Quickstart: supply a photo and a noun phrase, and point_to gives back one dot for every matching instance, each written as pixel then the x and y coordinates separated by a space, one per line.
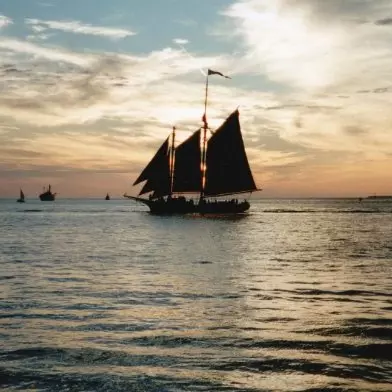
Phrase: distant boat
pixel 209 169
pixel 107 197
pixel 382 197
pixel 47 195
pixel 21 197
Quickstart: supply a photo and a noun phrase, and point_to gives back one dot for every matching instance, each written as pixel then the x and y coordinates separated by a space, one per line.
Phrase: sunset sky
pixel 89 90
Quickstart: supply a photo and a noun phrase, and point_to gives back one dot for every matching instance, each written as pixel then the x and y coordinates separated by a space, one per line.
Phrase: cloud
pixel 5 21
pixel 51 54
pixel 330 64
pixel 180 41
pixel 263 157
pixel 333 66
pixel 384 22
pixel 152 92
pixel 77 27
pixel 142 96
pixel 312 45
pixel 92 87
pixel 38 37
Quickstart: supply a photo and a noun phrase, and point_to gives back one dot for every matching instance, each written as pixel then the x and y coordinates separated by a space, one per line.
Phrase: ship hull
pixel 20 201
pixel 47 197
pixel 181 206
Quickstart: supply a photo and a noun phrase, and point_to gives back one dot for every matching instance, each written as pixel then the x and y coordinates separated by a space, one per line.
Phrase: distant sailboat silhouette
pixel 21 197
pixel 47 195
pixel 107 197
pixel 210 168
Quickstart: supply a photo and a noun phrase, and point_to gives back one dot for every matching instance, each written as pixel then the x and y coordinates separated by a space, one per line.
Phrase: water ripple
pixel 294 296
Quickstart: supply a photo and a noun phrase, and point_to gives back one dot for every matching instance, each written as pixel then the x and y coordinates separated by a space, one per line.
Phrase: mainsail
pixel 187 172
pixel 228 168
pixel 157 173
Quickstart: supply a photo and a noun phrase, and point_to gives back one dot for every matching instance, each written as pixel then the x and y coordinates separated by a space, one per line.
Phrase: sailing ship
pixel 21 197
pixel 211 169
pixel 47 195
pixel 107 197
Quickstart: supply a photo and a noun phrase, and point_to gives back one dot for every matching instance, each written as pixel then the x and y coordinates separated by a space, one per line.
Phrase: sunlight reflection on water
pixel 103 296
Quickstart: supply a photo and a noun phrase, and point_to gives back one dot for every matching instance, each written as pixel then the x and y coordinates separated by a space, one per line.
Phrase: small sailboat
pixel 107 197
pixel 208 168
pixel 21 197
pixel 47 195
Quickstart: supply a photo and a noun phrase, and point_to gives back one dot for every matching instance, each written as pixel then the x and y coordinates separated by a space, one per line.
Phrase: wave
pixel 78 358
pixel 94 380
pixel 357 331
pixel 317 292
pixel 325 211
pixel 371 373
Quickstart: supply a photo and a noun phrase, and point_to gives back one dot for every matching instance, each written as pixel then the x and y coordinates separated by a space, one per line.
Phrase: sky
pixel 89 89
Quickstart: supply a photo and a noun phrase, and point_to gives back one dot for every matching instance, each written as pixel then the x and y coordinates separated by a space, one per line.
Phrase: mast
pixel 203 167
pixel 172 157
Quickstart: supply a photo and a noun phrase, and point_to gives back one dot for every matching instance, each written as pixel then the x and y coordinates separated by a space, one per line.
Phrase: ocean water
pixel 102 296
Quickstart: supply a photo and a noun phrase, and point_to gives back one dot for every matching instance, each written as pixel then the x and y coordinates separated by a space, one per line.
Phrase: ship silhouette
pixel 209 169
pixel 21 197
pixel 47 195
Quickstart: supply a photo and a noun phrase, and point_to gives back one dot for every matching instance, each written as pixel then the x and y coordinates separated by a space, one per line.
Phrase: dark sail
pixel 187 172
pixel 228 169
pixel 160 184
pixel 21 198
pixel 155 164
pixel 157 173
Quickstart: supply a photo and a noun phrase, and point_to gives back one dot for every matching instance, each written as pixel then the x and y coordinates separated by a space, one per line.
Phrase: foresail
pixel 158 173
pixel 187 173
pixel 160 185
pixel 155 164
pixel 228 168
